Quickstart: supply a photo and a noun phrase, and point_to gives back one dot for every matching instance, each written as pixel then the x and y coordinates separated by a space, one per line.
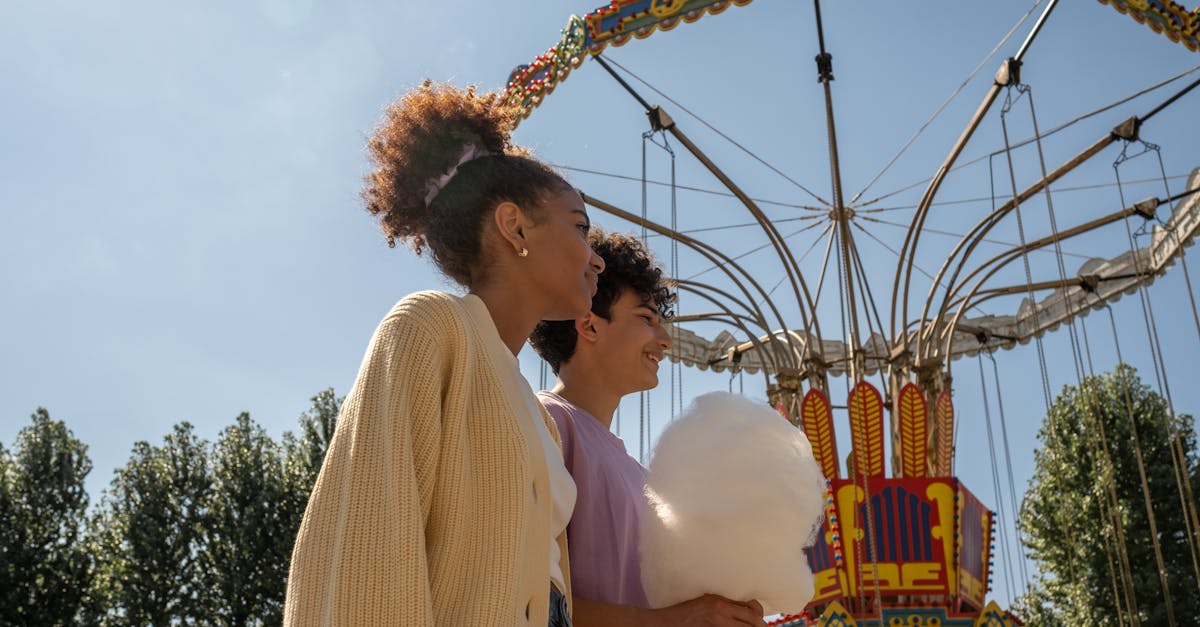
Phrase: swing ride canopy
pixel 930 535
pixel 952 332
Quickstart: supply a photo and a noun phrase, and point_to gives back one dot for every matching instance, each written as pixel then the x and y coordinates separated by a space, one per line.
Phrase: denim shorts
pixel 559 616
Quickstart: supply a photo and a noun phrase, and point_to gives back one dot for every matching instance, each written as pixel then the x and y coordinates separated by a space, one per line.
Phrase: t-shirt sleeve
pixel 566 430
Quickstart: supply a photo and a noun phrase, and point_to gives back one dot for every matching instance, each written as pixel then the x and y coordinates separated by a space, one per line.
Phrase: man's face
pixel 631 343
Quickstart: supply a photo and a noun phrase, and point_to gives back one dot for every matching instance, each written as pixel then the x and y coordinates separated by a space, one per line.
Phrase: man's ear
pixel 510 222
pixel 585 327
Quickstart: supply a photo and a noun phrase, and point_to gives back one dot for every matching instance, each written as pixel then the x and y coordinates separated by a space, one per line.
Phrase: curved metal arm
pixel 696 288
pixel 715 256
pixel 977 234
pixel 736 322
pixel 660 120
pixel 1003 259
pixel 1008 74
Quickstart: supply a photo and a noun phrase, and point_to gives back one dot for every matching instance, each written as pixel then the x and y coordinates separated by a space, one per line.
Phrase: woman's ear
pixel 511 222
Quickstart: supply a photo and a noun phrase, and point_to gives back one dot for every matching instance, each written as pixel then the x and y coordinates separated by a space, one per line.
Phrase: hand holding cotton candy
pixel 734 495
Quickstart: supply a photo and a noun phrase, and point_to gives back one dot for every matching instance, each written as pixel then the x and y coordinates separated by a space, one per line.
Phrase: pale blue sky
pixel 181 237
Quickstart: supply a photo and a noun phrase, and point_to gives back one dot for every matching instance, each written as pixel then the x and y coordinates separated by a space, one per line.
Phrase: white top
pixel 562 487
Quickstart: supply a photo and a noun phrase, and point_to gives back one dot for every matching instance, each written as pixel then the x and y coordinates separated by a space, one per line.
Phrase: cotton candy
pixel 734 495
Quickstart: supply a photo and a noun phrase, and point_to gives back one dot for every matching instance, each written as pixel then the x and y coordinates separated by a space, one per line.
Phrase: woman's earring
pixel 524 252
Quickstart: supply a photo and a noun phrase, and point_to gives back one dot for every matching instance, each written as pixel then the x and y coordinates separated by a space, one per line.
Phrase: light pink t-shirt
pixel 602 538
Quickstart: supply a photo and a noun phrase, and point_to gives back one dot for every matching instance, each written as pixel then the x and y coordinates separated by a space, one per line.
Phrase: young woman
pixel 611 351
pixel 443 499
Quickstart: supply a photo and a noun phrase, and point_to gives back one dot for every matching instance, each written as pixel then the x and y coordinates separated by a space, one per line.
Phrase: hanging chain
pixel 1178 457
pixel 1041 352
pixel 1099 449
pixel 1000 509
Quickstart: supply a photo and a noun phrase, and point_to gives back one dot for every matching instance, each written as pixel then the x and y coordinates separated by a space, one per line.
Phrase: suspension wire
pixel 1105 512
pixel 960 236
pixel 1021 563
pixel 895 252
pixel 825 264
pixel 643 401
pixel 872 539
pixel 1052 131
pixel 1021 232
pixel 964 201
pixel 1178 457
pixel 1090 401
pixel 690 188
pixel 1124 382
pixel 1160 375
pixel 869 297
pixel 811 247
pixel 714 129
pixel 645 138
pixel 1000 509
pixel 859 209
pixel 802 257
pixel 869 300
pixel 861 553
pixel 1186 485
pixel 743 225
pixel 948 100
pixel 1111 510
pixel 1041 351
pixel 940 203
pixel 676 366
pixel 1169 101
pixel 1188 282
pixel 1192 298
pixel 846 299
pixel 643 395
pixel 1012 489
pixel 649 431
pixel 1076 354
pixel 754 250
pixel 1138 268
pixel 871 235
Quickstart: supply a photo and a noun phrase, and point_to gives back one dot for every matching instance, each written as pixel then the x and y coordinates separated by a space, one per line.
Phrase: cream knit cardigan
pixel 433 505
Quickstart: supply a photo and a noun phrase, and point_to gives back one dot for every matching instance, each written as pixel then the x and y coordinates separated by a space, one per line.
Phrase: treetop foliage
pixel 188 531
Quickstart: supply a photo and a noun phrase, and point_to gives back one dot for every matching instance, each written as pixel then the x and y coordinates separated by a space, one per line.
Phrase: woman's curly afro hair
pixel 422 136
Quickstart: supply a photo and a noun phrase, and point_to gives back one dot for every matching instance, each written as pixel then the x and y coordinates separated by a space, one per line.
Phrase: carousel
pixel 903 541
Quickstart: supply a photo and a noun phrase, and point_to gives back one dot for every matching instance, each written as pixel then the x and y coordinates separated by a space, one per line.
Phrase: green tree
pixel 1090 444
pixel 306 454
pixel 44 561
pixel 249 539
pixel 148 536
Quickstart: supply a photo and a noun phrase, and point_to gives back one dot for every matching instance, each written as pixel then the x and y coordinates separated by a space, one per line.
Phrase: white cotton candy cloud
pixel 734 496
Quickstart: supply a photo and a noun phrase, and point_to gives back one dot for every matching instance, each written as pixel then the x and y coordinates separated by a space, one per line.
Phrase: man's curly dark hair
pixel 627 264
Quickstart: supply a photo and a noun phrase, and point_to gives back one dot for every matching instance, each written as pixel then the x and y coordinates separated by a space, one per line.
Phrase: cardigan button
pixel 527 609
pixel 535 492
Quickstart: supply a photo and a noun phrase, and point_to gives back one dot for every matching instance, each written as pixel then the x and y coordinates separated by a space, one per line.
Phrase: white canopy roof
pixel 1112 278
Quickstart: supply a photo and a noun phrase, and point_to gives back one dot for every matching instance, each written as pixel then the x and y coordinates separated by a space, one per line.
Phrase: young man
pixel 612 351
